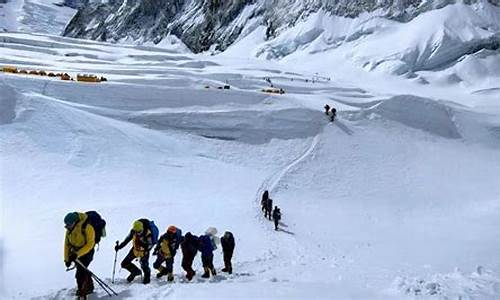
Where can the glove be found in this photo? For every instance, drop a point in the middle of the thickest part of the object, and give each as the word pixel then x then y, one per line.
pixel 72 257
pixel 117 247
pixel 67 263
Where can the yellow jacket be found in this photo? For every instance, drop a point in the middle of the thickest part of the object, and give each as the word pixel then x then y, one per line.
pixel 142 243
pixel 165 248
pixel 79 240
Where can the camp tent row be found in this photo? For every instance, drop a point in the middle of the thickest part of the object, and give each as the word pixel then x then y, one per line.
pixel 62 76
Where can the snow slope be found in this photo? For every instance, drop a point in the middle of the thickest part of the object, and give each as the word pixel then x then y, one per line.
pixel 398 198
pixel 456 45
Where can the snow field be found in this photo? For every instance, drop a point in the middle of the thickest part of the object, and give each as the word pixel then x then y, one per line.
pixel 386 202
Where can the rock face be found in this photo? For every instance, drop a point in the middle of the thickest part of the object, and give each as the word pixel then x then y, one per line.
pixel 198 23
pixel 203 24
pixel 76 4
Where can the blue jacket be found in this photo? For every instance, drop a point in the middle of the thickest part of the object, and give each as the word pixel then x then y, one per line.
pixel 205 245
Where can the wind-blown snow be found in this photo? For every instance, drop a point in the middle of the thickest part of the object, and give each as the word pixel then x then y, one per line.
pixel 386 202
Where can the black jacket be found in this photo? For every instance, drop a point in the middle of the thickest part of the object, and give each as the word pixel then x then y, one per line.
pixel 189 245
pixel 277 214
pixel 227 242
pixel 270 204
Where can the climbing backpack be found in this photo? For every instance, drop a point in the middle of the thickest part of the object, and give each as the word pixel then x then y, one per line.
pixel 154 232
pixel 205 244
pixel 98 223
pixel 227 240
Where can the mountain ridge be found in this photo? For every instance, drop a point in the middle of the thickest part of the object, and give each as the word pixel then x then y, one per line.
pixel 202 25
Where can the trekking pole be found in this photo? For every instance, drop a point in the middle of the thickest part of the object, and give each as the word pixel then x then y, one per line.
pixel 95 277
pixel 103 284
pixel 114 265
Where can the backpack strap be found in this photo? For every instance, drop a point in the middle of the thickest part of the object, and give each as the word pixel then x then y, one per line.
pixel 84 228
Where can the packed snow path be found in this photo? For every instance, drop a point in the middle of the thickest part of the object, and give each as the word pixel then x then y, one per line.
pixel 398 197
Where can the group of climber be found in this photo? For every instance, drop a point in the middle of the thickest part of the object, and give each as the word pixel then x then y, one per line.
pixel 267 207
pixel 84 231
pixel 330 112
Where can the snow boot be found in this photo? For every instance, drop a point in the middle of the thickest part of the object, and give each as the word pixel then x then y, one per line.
pixel 190 275
pixel 170 276
pixel 161 272
pixel 225 269
pixel 81 294
pixel 206 274
pixel 86 288
pixel 134 273
pixel 213 271
pixel 147 277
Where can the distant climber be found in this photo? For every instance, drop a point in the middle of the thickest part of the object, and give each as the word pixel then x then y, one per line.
pixel 227 242
pixel 327 109
pixel 165 251
pixel 263 202
pixel 333 114
pixel 269 208
pixel 207 244
pixel 276 217
pixel 189 248
pixel 79 242
pixel 143 239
